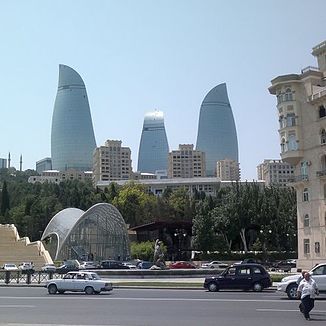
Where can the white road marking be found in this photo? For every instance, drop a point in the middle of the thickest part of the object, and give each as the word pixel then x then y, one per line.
pixel 289 310
pixel 15 306
pixel 105 297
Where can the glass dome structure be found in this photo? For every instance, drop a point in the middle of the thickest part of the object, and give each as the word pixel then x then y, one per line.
pixel 100 233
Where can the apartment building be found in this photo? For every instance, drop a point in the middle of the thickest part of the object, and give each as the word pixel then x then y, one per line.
pixel 228 170
pixel 111 162
pixel 275 172
pixel 301 107
pixel 186 162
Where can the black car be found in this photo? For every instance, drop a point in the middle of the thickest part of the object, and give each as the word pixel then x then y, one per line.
pixel 113 264
pixel 63 269
pixel 244 277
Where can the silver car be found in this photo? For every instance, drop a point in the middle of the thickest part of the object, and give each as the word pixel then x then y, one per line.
pixel 88 282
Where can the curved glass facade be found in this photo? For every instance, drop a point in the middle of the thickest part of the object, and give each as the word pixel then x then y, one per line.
pixel 217 135
pixel 72 135
pixel 100 231
pixel 153 147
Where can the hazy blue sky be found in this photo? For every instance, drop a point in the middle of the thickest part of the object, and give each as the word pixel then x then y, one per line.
pixel 137 56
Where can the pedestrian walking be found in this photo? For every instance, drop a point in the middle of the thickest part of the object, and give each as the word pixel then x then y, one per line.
pixel 307 291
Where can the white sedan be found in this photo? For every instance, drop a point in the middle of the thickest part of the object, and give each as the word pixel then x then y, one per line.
pixel 88 282
pixel 214 264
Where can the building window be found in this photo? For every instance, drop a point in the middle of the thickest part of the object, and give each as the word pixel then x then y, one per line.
pixel 305 194
pixel 317 247
pixel 293 146
pixel 304 168
pixel 323 136
pixel 322 111
pixel 281 121
pixel 306 221
pixel 290 119
pixel 306 246
pixel 283 145
pixel 288 95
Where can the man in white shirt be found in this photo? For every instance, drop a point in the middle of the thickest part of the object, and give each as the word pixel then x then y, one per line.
pixel 307 291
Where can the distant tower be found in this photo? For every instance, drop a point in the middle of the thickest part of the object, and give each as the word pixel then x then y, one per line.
pixel 217 135
pixel 21 163
pixel 9 160
pixel 153 147
pixel 72 136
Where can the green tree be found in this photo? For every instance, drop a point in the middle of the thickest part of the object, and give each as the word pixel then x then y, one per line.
pixel 5 202
pixel 204 237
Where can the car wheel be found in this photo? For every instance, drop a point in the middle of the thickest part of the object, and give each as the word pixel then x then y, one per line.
pixel 257 287
pixel 212 287
pixel 212 266
pixel 89 290
pixel 291 291
pixel 52 289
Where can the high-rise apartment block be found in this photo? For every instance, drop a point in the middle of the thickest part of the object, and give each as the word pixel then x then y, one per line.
pixel 217 135
pixel 112 162
pixel 72 136
pixel 44 165
pixel 186 162
pixel 228 170
pixel 3 163
pixel 275 172
pixel 301 106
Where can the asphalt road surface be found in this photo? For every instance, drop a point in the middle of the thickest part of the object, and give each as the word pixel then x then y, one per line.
pixel 152 307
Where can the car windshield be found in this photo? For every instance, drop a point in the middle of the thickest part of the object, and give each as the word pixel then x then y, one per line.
pixel 10 265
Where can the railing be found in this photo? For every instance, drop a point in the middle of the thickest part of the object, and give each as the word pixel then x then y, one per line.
pixel 24 277
pixel 317 95
pixel 298 178
pixel 309 68
pixel 321 173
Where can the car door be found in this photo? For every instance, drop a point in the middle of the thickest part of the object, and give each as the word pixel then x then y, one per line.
pixel 79 282
pixel 243 277
pixel 227 281
pixel 319 275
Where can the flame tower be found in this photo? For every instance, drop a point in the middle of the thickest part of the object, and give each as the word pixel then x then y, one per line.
pixel 72 135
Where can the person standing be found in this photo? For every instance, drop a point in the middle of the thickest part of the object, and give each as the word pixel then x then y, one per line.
pixel 307 291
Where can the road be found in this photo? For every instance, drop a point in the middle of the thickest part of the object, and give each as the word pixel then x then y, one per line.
pixel 152 307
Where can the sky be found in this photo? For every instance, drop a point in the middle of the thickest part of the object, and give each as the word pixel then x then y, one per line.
pixel 139 56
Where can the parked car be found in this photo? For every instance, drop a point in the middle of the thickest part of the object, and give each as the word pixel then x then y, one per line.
pixel 49 268
pixel 63 269
pixel 26 267
pixel 144 264
pixel 289 284
pixel 112 264
pixel 88 282
pixel 247 261
pixel 182 265
pixel 243 276
pixel 88 265
pixel 10 267
pixel 214 264
pixel 130 265
pixel 285 265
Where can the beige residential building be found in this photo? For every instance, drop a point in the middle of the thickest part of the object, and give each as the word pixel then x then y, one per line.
pixel 111 162
pixel 301 103
pixel 275 172
pixel 186 162
pixel 55 176
pixel 228 170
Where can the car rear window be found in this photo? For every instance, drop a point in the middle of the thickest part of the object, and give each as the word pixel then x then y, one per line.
pixel 244 271
pixel 257 270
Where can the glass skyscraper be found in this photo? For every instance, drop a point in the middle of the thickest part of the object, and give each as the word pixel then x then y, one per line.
pixel 217 135
pixel 72 136
pixel 153 148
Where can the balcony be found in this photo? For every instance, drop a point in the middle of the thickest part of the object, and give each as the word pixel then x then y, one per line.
pixel 299 178
pixel 292 157
pixel 321 95
pixel 321 174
